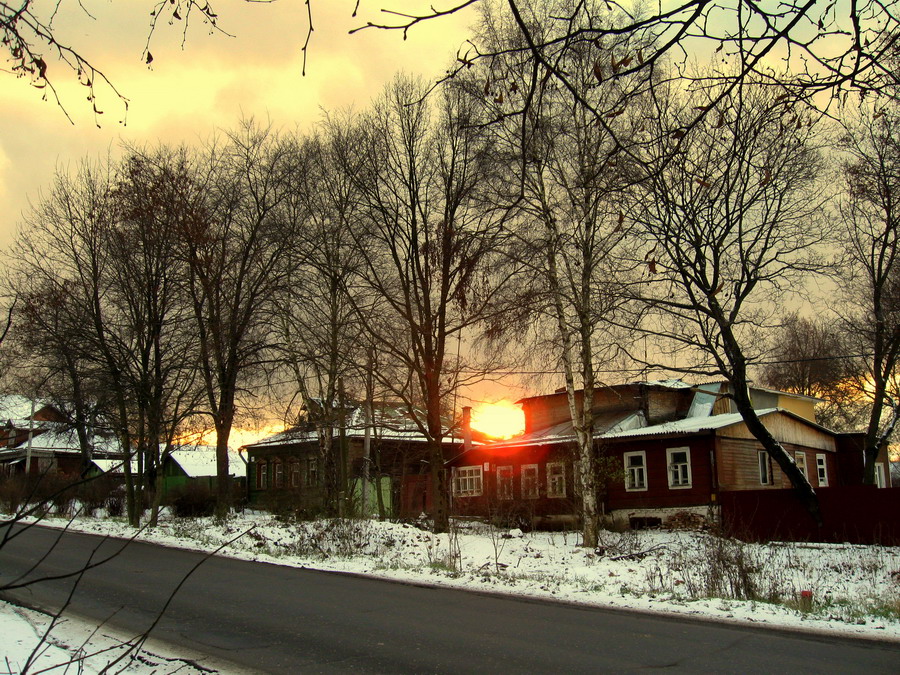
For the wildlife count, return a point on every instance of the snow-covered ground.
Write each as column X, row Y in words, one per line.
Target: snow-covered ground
column 831, row 588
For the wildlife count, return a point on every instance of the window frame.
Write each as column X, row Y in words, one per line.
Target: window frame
column 880, row 479
column 556, row 480
column 468, row 481
column 277, row 474
column 536, row 492
column 629, row 483
column 294, row 473
column 798, row 456
column 764, row 466
column 822, row 469
column 312, row 471
column 505, row 480
column 262, row 474
column 670, row 466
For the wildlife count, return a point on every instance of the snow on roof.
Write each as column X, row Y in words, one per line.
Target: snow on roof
column 672, row 383
column 689, row 425
column 604, row 423
column 16, row 407
column 390, row 427
column 58, row 440
column 114, row 466
column 200, row 460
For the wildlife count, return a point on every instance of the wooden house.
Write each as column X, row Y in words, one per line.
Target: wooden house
column 195, row 466
column 664, row 449
column 290, row 466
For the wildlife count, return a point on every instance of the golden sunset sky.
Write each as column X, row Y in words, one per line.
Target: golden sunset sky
column 208, row 84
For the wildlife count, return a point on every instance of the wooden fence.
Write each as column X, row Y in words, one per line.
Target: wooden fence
column 859, row 514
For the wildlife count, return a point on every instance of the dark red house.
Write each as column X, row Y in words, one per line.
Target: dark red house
column 665, row 449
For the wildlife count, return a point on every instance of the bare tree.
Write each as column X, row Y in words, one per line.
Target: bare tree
column 100, row 252
column 871, row 230
column 322, row 338
column 732, row 221
column 810, row 356
column 237, row 252
column 820, row 48
column 566, row 180
column 428, row 248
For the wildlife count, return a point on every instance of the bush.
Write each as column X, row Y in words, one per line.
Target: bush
column 300, row 505
column 192, row 501
column 13, row 493
column 115, row 503
column 95, row 493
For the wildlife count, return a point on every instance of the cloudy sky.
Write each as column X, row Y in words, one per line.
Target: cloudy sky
column 208, row 84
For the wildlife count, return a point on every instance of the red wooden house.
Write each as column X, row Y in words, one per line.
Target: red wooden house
column 664, row 448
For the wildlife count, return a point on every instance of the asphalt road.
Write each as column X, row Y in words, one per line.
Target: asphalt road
column 284, row 620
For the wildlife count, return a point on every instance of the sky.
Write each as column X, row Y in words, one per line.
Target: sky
column 210, row 83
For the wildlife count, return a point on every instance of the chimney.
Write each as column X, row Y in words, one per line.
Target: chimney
column 467, row 428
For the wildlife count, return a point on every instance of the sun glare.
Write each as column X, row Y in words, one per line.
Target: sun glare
column 500, row 419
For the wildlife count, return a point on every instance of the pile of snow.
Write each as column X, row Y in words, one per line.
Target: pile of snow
column 32, row 642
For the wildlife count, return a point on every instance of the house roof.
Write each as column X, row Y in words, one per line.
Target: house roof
column 564, row 431
column 114, row 466
column 200, row 460
column 60, row 440
column 691, row 425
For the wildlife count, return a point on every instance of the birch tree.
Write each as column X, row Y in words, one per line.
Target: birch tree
column 566, row 177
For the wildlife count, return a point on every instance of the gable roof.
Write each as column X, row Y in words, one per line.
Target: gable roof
column 200, row 460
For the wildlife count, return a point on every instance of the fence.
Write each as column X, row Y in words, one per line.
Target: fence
column 858, row 514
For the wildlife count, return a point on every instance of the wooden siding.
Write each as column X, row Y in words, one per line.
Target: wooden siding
column 737, row 461
column 658, row 493
column 787, row 430
column 799, row 406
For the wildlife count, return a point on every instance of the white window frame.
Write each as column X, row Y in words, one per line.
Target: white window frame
column 764, row 467
column 262, row 474
column 530, row 490
column 278, row 473
column 556, row 479
column 800, row 460
column 504, row 482
column 294, row 471
column 822, row 469
column 880, row 481
column 680, row 476
column 632, row 472
column 468, row 481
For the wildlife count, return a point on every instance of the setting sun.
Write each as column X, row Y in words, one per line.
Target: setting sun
column 500, row 419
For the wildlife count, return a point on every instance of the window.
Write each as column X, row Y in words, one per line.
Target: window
column 504, row 482
column 679, row 461
column 294, row 470
column 529, row 481
column 765, row 467
column 262, row 476
column 556, row 479
column 635, row 471
column 467, row 481
column 879, row 475
column 312, row 471
column 800, row 458
column 278, row 470
column 822, row 470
